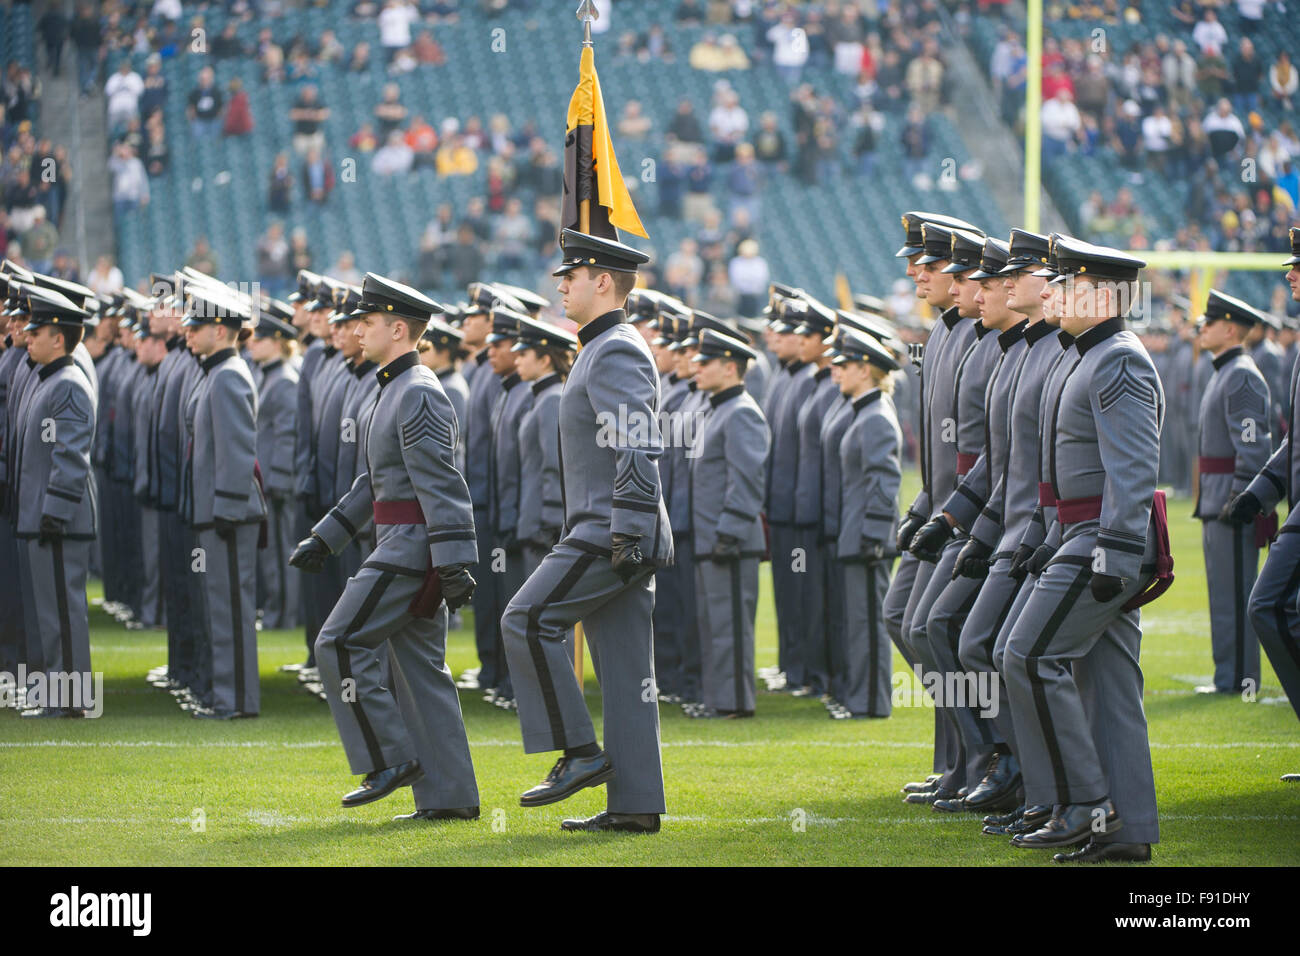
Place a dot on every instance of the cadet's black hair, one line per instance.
(71, 335)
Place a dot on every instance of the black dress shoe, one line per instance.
(1000, 784)
(1094, 852)
(567, 777)
(380, 783)
(709, 713)
(1004, 819)
(606, 822)
(455, 813)
(929, 796)
(40, 713)
(211, 713)
(1069, 824)
(920, 786)
(1033, 818)
(955, 805)
(1291, 778)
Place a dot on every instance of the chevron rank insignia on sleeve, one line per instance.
(68, 409)
(1247, 398)
(1126, 383)
(630, 482)
(425, 423)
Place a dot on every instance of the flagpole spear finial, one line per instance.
(586, 13)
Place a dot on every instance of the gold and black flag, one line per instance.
(590, 166)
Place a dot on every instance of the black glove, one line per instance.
(224, 527)
(727, 549)
(929, 541)
(310, 554)
(1018, 560)
(907, 530)
(1039, 560)
(278, 498)
(1242, 509)
(870, 550)
(1106, 587)
(626, 559)
(547, 536)
(457, 584)
(972, 560)
(51, 528)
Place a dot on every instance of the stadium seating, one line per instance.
(17, 35)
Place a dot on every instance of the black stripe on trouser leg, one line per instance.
(282, 566)
(1040, 695)
(872, 639)
(954, 644)
(61, 597)
(1238, 610)
(737, 636)
(544, 679)
(236, 618)
(1286, 599)
(345, 666)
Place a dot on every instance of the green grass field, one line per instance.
(129, 787)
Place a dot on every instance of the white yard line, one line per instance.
(668, 744)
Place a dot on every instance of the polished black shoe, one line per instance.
(211, 713)
(567, 777)
(955, 805)
(920, 786)
(1033, 818)
(1094, 852)
(455, 813)
(1070, 824)
(709, 713)
(1000, 785)
(930, 796)
(40, 713)
(380, 783)
(606, 822)
(1291, 778)
(1004, 819)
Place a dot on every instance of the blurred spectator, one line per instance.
(464, 259)
(329, 50)
(317, 176)
(715, 56)
(1213, 75)
(39, 241)
(1247, 76)
(789, 48)
(280, 190)
(130, 181)
(844, 36)
(271, 57)
(88, 38)
(1061, 125)
(154, 97)
(53, 28)
(389, 111)
(300, 256)
(441, 228)
(1209, 33)
(394, 157)
(359, 62)
(728, 123)
(745, 182)
(1179, 72)
(345, 269)
(654, 45)
(719, 297)
(423, 140)
(204, 110)
(227, 46)
(867, 125)
(157, 154)
(1092, 89)
(749, 276)
(203, 258)
(395, 21)
(916, 143)
(685, 125)
(308, 116)
(454, 158)
(273, 270)
(1283, 80)
(634, 124)
(122, 92)
(105, 278)
(364, 140)
(1156, 132)
(891, 92)
(924, 78)
(684, 270)
(699, 186)
(689, 13)
(426, 50)
(670, 177)
(64, 266)
(511, 236)
(239, 112)
(769, 142)
(1224, 129)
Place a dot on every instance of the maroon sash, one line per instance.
(1164, 556)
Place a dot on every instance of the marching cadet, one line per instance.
(727, 482)
(151, 348)
(1275, 599)
(484, 388)
(12, 637)
(1078, 635)
(870, 470)
(439, 350)
(1268, 358)
(55, 505)
(271, 347)
(225, 502)
(927, 252)
(543, 357)
(360, 388)
(85, 298)
(1233, 446)
(816, 324)
(119, 465)
(424, 521)
(601, 572)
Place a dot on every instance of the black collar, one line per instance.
(862, 401)
(173, 343)
(794, 366)
(444, 372)
(151, 369)
(397, 366)
(49, 369)
(510, 381)
(1065, 338)
(726, 395)
(950, 317)
(329, 351)
(981, 329)
(365, 366)
(215, 359)
(1039, 330)
(1227, 355)
(691, 386)
(31, 362)
(271, 366)
(1097, 334)
(545, 382)
(307, 339)
(481, 357)
(821, 373)
(600, 324)
(1012, 335)
(673, 378)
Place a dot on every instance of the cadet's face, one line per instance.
(1219, 334)
(811, 347)
(1051, 296)
(301, 317)
(1024, 291)
(992, 300)
(263, 348)
(665, 361)
(1293, 280)
(854, 378)
(646, 331)
(202, 340)
(379, 339)
(787, 346)
(319, 323)
(350, 344)
(475, 329)
(913, 270)
(1083, 304)
(837, 372)
(933, 286)
(530, 365)
(708, 374)
(502, 359)
(685, 367)
(578, 289)
(43, 346)
(963, 292)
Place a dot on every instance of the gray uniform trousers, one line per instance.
(1275, 607)
(833, 611)
(868, 653)
(1231, 565)
(58, 579)
(727, 599)
(910, 578)
(574, 583)
(683, 597)
(152, 611)
(280, 601)
(227, 586)
(486, 599)
(420, 719)
(983, 636)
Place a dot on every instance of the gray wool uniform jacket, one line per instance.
(949, 339)
(221, 421)
(504, 468)
(277, 426)
(484, 387)
(53, 464)
(457, 389)
(1042, 523)
(610, 444)
(1234, 424)
(1279, 479)
(359, 389)
(409, 451)
(728, 474)
(871, 471)
(808, 480)
(675, 465)
(783, 476)
(144, 403)
(304, 452)
(541, 503)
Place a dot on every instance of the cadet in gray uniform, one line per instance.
(616, 532)
(871, 471)
(1275, 599)
(1268, 358)
(727, 483)
(413, 735)
(1071, 661)
(277, 432)
(439, 347)
(151, 349)
(360, 389)
(225, 503)
(55, 504)
(1233, 446)
(12, 638)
